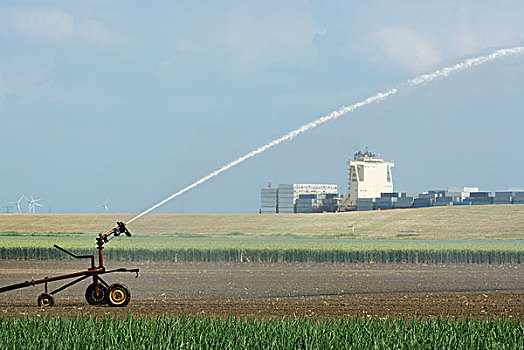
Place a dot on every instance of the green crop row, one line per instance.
(235, 333)
(271, 243)
(267, 249)
(284, 255)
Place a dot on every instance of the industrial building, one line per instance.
(371, 188)
(269, 200)
(286, 197)
(369, 176)
(460, 192)
(456, 196)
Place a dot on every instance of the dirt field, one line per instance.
(276, 290)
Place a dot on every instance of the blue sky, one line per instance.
(135, 100)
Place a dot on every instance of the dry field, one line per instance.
(282, 289)
(471, 222)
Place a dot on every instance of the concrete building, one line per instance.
(369, 176)
(460, 192)
(283, 198)
(269, 200)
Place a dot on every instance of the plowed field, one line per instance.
(283, 289)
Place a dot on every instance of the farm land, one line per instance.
(492, 222)
(399, 272)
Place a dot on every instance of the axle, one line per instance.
(51, 279)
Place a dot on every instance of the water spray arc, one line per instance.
(379, 97)
(289, 136)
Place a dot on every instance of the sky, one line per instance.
(135, 100)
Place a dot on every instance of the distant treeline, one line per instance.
(286, 255)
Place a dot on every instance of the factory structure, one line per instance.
(298, 198)
(371, 188)
(369, 176)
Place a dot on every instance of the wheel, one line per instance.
(46, 300)
(118, 295)
(92, 298)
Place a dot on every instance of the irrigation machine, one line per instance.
(98, 292)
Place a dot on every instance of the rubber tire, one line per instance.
(46, 300)
(118, 295)
(91, 295)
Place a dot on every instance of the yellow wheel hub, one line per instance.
(118, 296)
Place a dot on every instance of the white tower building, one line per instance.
(369, 176)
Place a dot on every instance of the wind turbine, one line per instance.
(33, 203)
(18, 202)
(105, 205)
(22, 197)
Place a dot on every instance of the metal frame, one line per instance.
(93, 271)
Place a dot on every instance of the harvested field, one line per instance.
(283, 289)
(464, 222)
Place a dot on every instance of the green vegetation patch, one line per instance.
(271, 249)
(245, 243)
(236, 333)
(46, 234)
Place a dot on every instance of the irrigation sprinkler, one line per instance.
(98, 292)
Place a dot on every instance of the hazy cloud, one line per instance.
(52, 25)
(166, 67)
(271, 37)
(185, 49)
(407, 48)
(32, 80)
(469, 41)
(245, 37)
(94, 32)
(186, 45)
(58, 26)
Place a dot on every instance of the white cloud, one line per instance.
(406, 48)
(58, 27)
(166, 67)
(244, 38)
(275, 37)
(93, 31)
(44, 24)
(185, 49)
(186, 45)
(468, 41)
(31, 77)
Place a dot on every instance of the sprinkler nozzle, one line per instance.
(121, 228)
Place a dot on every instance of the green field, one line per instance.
(492, 222)
(235, 333)
(267, 249)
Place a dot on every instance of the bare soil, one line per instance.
(280, 290)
